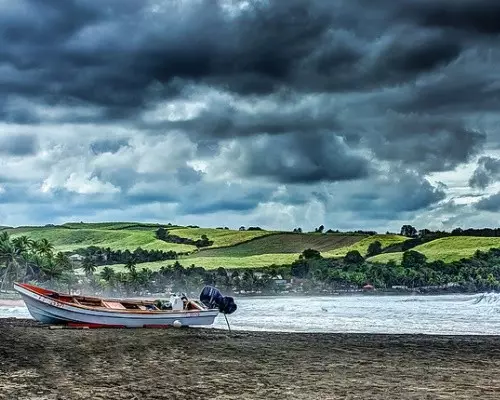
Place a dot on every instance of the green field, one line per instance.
(362, 245)
(71, 239)
(220, 237)
(285, 243)
(241, 249)
(256, 261)
(447, 249)
(128, 235)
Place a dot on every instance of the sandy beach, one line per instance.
(39, 363)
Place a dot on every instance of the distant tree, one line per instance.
(408, 231)
(310, 254)
(297, 230)
(242, 228)
(320, 229)
(88, 266)
(63, 262)
(161, 233)
(130, 266)
(424, 232)
(300, 269)
(374, 248)
(108, 274)
(413, 259)
(353, 257)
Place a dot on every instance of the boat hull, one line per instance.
(50, 311)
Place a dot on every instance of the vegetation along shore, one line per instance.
(137, 259)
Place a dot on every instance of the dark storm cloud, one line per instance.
(487, 172)
(235, 197)
(107, 145)
(187, 176)
(78, 52)
(227, 121)
(476, 16)
(426, 143)
(400, 192)
(122, 57)
(300, 159)
(490, 203)
(210, 207)
(18, 145)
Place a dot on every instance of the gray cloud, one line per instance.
(107, 145)
(400, 193)
(490, 203)
(474, 16)
(321, 97)
(487, 171)
(19, 145)
(298, 158)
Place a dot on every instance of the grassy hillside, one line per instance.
(447, 249)
(284, 243)
(220, 237)
(362, 245)
(128, 235)
(71, 239)
(261, 260)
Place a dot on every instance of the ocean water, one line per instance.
(442, 314)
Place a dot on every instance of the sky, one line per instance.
(354, 114)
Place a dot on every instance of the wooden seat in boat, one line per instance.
(113, 304)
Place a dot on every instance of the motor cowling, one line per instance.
(213, 298)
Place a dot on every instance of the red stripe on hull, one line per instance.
(92, 326)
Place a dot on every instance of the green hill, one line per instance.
(220, 237)
(128, 235)
(362, 245)
(284, 243)
(256, 261)
(447, 249)
(280, 248)
(72, 239)
(230, 249)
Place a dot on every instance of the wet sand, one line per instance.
(39, 363)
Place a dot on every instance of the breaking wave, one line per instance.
(487, 298)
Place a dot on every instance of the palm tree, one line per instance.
(69, 278)
(44, 248)
(50, 269)
(63, 261)
(108, 274)
(89, 266)
(10, 254)
(28, 247)
(130, 265)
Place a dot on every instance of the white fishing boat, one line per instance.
(51, 307)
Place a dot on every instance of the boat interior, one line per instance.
(116, 304)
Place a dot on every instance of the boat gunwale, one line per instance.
(50, 301)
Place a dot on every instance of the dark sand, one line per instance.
(38, 363)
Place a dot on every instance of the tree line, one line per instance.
(107, 256)
(166, 236)
(24, 259)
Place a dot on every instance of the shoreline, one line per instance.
(22, 322)
(77, 364)
(360, 292)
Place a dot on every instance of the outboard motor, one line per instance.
(213, 298)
